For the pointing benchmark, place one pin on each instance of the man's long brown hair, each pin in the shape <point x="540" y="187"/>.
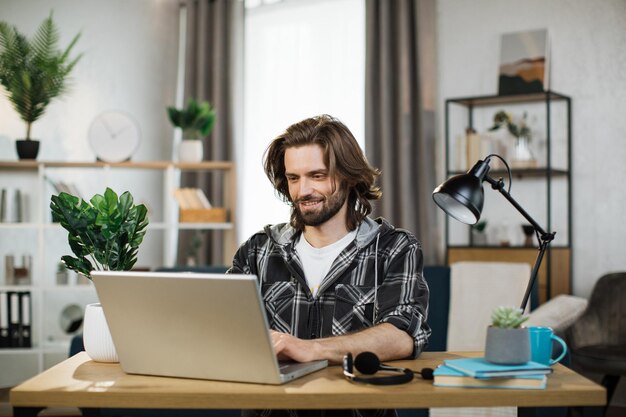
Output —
<point x="343" y="157"/>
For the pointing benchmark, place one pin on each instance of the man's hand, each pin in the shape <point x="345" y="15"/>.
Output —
<point x="385" y="340"/>
<point x="287" y="346"/>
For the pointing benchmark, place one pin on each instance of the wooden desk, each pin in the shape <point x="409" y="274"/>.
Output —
<point x="80" y="382"/>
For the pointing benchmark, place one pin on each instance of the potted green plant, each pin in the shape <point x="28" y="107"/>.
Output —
<point x="507" y="342"/>
<point x="196" y="121"/>
<point x="33" y="72"/>
<point x="104" y="234"/>
<point x="522" y="155"/>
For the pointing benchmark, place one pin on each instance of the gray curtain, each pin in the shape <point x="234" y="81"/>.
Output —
<point x="213" y="45"/>
<point x="399" y="114"/>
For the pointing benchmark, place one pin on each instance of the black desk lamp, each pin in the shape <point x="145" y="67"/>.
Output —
<point x="462" y="197"/>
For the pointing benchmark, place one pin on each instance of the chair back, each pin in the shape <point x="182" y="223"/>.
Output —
<point x="476" y="288"/>
<point x="604" y="320"/>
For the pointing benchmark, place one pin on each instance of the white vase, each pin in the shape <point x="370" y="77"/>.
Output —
<point x="96" y="335"/>
<point x="190" y="150"/>
<point x="522" y="155"/>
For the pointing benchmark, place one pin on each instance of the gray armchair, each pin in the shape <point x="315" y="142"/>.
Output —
<point x="597" y="339"/>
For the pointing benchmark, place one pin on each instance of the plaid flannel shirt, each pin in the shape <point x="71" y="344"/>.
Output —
<point x="347" y="296"/>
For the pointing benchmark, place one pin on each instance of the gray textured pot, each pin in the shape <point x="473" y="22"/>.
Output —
<point x="507" y="346"/>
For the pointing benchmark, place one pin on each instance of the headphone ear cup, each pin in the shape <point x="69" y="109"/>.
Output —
<point x="347" y="363"/>
<point x="368" y="363"/>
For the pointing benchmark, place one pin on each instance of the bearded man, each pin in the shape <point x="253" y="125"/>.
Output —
<point x="333" y="280"/>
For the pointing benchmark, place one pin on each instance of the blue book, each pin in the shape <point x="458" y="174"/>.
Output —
<point x="445" y="376"/>
<point x="481" y="368"/>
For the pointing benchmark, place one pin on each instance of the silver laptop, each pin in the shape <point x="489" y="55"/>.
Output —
<point x="207" y="326"/>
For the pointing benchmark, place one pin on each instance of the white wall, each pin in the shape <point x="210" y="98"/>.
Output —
<point x="588" y="64"/>
<point x="129" y="64"/>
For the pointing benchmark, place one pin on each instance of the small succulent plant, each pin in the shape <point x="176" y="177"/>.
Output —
<point x="507" y="317"/>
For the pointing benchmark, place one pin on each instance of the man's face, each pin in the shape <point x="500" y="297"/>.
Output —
<point x="310" y="185"/>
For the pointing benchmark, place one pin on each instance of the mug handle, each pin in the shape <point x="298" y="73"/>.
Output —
<point x="563" y="345"/>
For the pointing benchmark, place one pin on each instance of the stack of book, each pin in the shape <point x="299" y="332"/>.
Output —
<point x="479" y="373"/>
<point x="196" y="208"/>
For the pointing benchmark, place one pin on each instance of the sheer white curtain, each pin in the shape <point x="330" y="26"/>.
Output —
<point x="302" y="58"/>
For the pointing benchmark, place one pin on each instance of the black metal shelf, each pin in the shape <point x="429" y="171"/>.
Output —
<point x="522" y="172"/>
<point x="483" y="101"/>
<point x="546" y="173"/>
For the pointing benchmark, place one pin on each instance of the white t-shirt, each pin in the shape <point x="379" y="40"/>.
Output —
<point x="316" y="262"/>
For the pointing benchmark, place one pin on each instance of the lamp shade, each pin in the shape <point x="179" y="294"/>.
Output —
<point x="461" y="197"/>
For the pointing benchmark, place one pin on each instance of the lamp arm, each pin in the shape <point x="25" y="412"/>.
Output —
<point x="499" y="185"/>
<point x="544" y="237"/>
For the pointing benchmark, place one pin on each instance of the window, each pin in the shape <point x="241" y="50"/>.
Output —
<point x="302" y="58"/>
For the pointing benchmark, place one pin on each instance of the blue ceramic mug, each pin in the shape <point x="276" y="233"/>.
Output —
<point x="541" y="345"/>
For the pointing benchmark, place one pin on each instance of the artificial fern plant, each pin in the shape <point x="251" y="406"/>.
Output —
<point x="34" y="71"/>
<point x="507" y="317"/>
<point x="196" y="120"/>
<point x="104" y="235"/>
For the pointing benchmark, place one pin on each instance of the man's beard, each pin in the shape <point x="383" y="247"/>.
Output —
<point x="330" y="206"/>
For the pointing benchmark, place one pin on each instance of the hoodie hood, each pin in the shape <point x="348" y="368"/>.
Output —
<point x="283" y="234"/>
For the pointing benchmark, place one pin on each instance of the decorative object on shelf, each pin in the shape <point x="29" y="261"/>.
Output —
<point x="522" y="155"/>
<point x="114" y="136"/>
<point x="108" y="231"/>
<point x="62" y="274"/>
<point x="196" y="121"/>
<point x="18" y="274"/>
<point x="529" y="231"/>
<point x="22" y="274"/>
<point x="462" y="197"/>
<point x="479" y="233"/>
<point x="33" y="72"/>
<point x="96" y="335"/>
<point x="71" y="318"/>
<point x="11" y="205"/>
<point x="507" y="342"/>
<point x="524" y="63"/>
<point x="9" y="270"/>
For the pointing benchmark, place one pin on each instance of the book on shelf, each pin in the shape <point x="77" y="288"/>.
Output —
<point x="445" y="376"/>
<point x="4" y="319"/>
<point x="481" y="368"/>
<point x="15" y="319"/>
<point x="191" y="198"/>
<point x="64" y="187"/>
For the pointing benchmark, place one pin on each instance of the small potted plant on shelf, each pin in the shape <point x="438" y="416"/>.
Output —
<point x="196" y="121"/>
<point x="479" y="233"/>
<point x="507" y="342"/>
<point x="104" y="234"/>
<point x="522" y="155"/>
<point x="33" y="72"/>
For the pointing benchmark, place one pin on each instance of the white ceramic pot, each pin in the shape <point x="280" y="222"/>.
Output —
<point x="96" y="335"/>
<point x="507" y="346"/>
<point x="190" y="150"/>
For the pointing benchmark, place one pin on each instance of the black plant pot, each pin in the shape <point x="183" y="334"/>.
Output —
<point x="27" y="149"/>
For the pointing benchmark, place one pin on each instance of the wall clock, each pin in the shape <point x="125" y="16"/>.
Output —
<point x="114" y="136"/>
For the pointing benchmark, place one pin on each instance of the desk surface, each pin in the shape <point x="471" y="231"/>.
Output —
<point x="80" y="382"/>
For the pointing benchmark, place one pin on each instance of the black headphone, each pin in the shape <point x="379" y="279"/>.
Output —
<point x="368" y="363"/>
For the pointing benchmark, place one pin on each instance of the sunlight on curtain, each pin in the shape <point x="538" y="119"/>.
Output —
<point x="301" y="59"/>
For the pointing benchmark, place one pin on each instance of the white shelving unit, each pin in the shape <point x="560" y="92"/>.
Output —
<point x="151" y="183"/>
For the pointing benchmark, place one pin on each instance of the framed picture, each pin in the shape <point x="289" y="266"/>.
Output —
<point x="524" y="63"/>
